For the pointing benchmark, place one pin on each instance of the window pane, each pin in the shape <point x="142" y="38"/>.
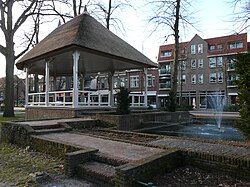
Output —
<point x="219" y="61"/>
<point x="166" y="53"/>
<point x="192" y="49"/>
<point x="200" y="63"/>
<point x="200" y="78"/>
<point x="212" y="62"/>
<point x="193" y="79"/>
<point x="200" y="48"/>
<point x="212" y="77"/>
<point x="220" y="77"/>
<point x="193" y="64"/>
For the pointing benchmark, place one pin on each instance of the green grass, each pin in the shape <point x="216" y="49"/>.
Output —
<point x="17" y="116"/>
<point x="16" y="164"/>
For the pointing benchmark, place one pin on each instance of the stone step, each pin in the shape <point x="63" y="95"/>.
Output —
<point x="46" y="131"/>
<point x="98" y="173"/>
<point x="47" y="126"/>
<point x="108" y="159"/>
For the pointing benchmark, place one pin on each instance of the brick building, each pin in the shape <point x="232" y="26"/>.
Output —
<point x="206" y="66"/>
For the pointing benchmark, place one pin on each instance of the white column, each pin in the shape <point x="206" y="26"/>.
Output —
<point x="27" y="87"/>
<point x="111" y="88"/>
<point x="145" y="86"/>
<point x="76" y="55"/>
<point x="47" y="83"/>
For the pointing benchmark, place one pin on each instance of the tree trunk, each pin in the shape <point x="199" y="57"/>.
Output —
<point x="9" y="81"/>
<point x="173" y="95"/>
<point x="108" y="14"/>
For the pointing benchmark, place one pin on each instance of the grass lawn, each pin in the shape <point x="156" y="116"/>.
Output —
<point x="16" y="164"/>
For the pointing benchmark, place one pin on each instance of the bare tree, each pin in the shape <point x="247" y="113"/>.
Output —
<point x="170" y="14"/>
<point x="9" y="28"/>
<point x="106" y="12"/>
<point x="241" y="14"/>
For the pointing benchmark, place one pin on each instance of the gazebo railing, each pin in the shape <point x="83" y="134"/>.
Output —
<point x="85" y="99"/>
<point x="65" y="98"/>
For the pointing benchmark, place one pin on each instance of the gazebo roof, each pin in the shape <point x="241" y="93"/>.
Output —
<point x="100" y="50"/>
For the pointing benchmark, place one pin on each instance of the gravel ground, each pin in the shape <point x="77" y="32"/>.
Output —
<point x="191" y="176"/>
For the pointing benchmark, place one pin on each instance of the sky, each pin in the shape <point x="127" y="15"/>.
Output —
<point x="211" y="20"/>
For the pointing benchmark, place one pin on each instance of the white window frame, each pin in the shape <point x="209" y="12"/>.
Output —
<point x="193" y="79"/>
<point x="200" y="78"/>
<point x="212" y="64"/>
<point x="200" y="48"/>
<point x="219" y="62"/>
<point x="193" y="64"/>
<point x="182" y="65"/>
<point x="220" y="74"/>
<point x="183" y="79"/>
<point x="212" y="77"/>
<point x="193" y="49"/>
<point x="200" y="63"/>
<point x="211" y="47"/>
<point x="151" y="81"/>
<point x="166" y="53"/>
<point x="134" y="81"/>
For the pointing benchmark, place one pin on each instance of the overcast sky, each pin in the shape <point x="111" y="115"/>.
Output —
<point x="212" y="20"/>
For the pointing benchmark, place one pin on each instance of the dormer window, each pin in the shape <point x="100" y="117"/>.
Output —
<point x="211" y="47"/>
<point x="166" y="53"/>
<point x="235" y="44"/>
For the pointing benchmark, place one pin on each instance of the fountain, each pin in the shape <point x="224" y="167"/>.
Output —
<point x="217" y="102"/>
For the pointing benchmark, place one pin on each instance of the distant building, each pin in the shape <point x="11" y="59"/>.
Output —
<point x="19" y="90"/>
<point x="206" y="66"/>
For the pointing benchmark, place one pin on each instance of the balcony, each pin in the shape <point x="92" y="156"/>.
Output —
<point x="164" y="72"/>
<point x="231" y="67"/>
<point x="231" y="84"/>
<point x="164" y="86"/>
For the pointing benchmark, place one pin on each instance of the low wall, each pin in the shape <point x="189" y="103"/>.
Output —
<point x="145" y="169"/>
<point x="38" y="113"/>
<point x="230" y="165"/>
<point x="134" y="120"/>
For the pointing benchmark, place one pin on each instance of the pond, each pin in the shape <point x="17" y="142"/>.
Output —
<point x="194" y="130"/>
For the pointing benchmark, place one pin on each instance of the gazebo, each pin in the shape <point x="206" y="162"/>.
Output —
<point x="78" y="48"/>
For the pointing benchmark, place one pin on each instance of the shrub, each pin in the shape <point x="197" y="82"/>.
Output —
<point x="123" y="101"/>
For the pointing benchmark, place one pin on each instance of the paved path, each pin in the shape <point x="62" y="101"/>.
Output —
<point x="197" y="146"/>
<point x="52" y="122"/>
<point x="118" y="149"/>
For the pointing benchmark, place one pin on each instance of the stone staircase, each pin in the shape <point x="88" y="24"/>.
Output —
<point x="100" y="170"/>
<point x="50" y="128"/>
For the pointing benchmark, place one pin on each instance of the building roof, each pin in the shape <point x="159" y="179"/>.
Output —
<point x="223" y="40"/>
<point x="100" y="49"/>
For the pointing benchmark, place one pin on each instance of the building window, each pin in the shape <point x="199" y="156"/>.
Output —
<point x="200" y="48"/>
<point x="151" y="81"/>
<point x="182" y="78"/>
<point x="200" y="78"/>
<point x="219" y="61"/>
<point x="193" y="64"/>
<point x="193" y="50"/>
<point x="211" y="47"/>
<point x="220" y="77"/>
<point x="164" y="84"/>
<point x="134" y="81"/>
<point x="231" y="64"/>
<point x="166" y="53"/>
<point x="165" y="69"/>
<point x="182" y="65"/>
<point x="235" y="44"/>
<point x="212" y="62"/>
<point x="212" y="77"/>
<point x="200" y="63"/>
<point x="193" y="79"/>
<point x="220" y="46"/>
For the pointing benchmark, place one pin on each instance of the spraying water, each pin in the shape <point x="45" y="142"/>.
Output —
<point x="217" y="102"/>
